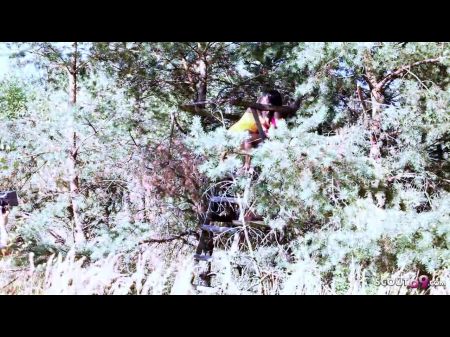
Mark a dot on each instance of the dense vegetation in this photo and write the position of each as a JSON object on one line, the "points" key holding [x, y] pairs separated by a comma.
{"points": [[112, 164]]}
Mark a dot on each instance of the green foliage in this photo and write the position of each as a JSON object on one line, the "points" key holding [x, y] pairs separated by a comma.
{"points": [[349, 208], [143, 166], [13, 99]]}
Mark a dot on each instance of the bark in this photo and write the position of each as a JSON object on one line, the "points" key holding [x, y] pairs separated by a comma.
{"points": [[202, 84], [74, 181], [180, 236], [286, 111], [403, 69], [377, 88], [377, 99], [364, 106]]}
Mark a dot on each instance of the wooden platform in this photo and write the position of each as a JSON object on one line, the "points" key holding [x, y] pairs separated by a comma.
{"points": [[218, 229], [251, 223], [230, 200]]}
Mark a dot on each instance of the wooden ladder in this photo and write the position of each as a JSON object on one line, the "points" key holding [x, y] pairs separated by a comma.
{"points": [[215, 224], [209, 228]]}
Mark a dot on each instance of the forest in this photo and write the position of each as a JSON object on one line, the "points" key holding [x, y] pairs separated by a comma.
{"points": [[122, 173]]}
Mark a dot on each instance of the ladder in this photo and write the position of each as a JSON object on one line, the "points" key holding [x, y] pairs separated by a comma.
{"points": [[216, 224], [209, 227], [216, 207]]}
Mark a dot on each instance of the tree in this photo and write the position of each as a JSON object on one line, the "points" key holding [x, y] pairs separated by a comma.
{"points": [[355, 179], [360, 140], [71, 60]]}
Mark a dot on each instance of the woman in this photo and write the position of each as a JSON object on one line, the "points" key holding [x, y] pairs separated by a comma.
{"points": [[248, 124]]}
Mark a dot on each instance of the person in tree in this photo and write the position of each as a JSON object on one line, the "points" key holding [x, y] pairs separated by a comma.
{"points": [[248, 124]]}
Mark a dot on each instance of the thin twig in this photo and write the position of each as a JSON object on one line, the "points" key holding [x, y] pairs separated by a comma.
{"points": [[176, 237], [179, 126], [401, 70], [14, 280]]}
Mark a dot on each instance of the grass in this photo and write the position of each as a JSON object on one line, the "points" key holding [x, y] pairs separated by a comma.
{"points": [[149, 273]]}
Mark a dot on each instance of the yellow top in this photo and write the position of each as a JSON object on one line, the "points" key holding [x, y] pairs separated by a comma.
{"points": [[246, 123]]}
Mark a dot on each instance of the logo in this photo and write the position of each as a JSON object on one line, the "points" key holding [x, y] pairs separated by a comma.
{"points": [[421, 283]]}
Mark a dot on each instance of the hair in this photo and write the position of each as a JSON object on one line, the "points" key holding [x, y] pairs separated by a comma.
{"points": [[274, 97]]}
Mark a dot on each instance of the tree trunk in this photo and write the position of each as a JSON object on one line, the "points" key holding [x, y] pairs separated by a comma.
{"points": [[201, 75], [202, 83], [377, 99], [74, 182]]}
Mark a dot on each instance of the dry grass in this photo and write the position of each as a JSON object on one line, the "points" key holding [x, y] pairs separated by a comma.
{"points": [[150, 274]]}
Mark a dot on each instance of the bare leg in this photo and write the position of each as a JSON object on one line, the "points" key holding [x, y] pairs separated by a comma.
{"points": [[252, 142]]}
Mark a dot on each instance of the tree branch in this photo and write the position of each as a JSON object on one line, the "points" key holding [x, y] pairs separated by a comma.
{"points": [[179, 126], [368, 81], [285, 110], [192, 48], [173, 238], [57, 54], [264, 107], [369, 75], [194, 109], [45, 56], [132, 138], [90, 124], [360, 96], [403, 69], [82, 65]]}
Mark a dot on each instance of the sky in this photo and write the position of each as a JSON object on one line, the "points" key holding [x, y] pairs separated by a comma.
{"points": [[8, 67], [4, 61]]}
